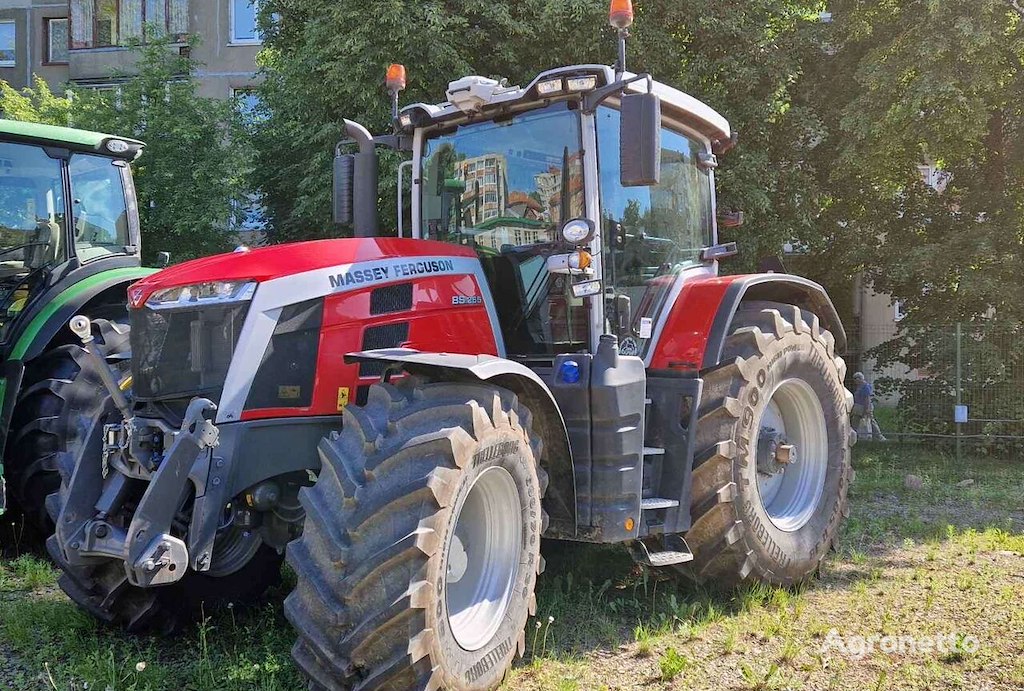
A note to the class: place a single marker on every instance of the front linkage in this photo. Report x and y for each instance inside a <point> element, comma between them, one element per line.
<point>89,531</point>
<point>151,554</point>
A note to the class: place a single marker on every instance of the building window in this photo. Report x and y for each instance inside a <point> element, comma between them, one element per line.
<point>56,37</point>
<point>243,22</point>
<point>106,23</point>
<point>7,44</point>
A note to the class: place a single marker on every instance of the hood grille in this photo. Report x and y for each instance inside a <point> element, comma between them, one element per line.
<point>179,353</point>
<point>389,299</point>
<point>378,337</point>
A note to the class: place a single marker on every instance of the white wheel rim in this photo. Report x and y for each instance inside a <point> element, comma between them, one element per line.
<point>791,495</point>
<point>482,558</point>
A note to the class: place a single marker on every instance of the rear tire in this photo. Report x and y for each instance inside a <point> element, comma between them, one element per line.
<point>60,387</point>
<point>753,516</point>
<point>400,552</point>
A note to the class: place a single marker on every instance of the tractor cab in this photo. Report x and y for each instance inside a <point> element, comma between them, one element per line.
<point>588,196</point>
<point>587,183</point>
<point>65,201</point>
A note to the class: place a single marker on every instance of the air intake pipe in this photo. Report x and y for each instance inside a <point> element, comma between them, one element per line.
<point>355,183</point>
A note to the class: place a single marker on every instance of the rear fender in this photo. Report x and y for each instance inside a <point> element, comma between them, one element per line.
<point>560,500</point>
<point>701,320</point>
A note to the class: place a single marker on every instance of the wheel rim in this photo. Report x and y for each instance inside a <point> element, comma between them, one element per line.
<point>483,558</point>
<point>233,547</point>
<point>790,491</point>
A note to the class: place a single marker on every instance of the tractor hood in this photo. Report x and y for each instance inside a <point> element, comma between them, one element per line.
<point>263,333</point>
<point>280,261</point>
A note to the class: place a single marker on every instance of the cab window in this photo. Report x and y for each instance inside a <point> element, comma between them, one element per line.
<point>100,217</point>
<point>504,188</point>
<point>652,233</point>
<point>31,210</point>
<point>32,226</point>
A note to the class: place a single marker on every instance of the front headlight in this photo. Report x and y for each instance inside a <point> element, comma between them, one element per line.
<point>212,293</point>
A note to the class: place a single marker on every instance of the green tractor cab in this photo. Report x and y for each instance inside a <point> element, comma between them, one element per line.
<point>69,243</point>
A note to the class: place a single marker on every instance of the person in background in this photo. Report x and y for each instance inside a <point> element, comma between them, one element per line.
<point>863,414</point>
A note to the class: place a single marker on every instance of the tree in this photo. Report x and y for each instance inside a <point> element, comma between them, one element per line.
<point>324,60</point>
<point>940,84</point>
<point>194,171</point>
<point>921,85</point>
<point>34,104</point>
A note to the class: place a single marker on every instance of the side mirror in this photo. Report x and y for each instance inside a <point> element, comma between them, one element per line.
<point>163,259</point>
<point>344,183</point>
<point>640,140</point>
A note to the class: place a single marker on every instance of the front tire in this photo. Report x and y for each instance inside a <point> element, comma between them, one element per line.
<point>772,466</point>
<point>419,558</point>
<point>61,388</point>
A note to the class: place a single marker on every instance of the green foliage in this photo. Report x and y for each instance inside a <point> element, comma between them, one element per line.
<point>941,83</point>
<point>35,104</point>
<point>928,83</point>
<point>672,663</point>
<point>899,86</point>
<point>197,160</point>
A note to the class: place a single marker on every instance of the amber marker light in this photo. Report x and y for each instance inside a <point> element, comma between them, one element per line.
<point>620,16</point>
<point>396,77</point>
<point>579,260</point>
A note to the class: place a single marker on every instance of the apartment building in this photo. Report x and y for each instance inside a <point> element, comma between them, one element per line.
<point>82,42</point>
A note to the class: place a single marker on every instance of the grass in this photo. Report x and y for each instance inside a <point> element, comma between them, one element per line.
<point>944,560</point>
<point>672,663</point>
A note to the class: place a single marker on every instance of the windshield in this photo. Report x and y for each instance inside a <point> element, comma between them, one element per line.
<point>504,184</point>
<point>505,188</point>
<point>31,223</point>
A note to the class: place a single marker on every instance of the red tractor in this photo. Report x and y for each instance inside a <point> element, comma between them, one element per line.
<point>548,352</point>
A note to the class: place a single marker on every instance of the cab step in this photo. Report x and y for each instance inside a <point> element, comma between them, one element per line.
<point>652,503</point>
<point>674,550</point>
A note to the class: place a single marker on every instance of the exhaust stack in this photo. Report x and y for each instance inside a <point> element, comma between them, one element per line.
<point>355,183</point>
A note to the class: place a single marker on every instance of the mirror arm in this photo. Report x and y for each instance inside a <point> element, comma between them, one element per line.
<point>598,96</point>
<point>396,142</point>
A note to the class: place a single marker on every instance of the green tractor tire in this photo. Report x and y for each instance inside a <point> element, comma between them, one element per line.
<point>59,388</point>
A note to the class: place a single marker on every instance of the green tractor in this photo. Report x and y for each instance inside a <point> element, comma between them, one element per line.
<point>69,244</point>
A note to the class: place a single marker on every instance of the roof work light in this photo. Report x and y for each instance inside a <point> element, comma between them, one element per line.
<point>395,80</point>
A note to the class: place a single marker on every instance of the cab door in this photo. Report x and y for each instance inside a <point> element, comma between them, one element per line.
<point>653,236</point>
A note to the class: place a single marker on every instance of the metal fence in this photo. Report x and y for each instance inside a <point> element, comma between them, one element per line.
<point>960,385</point>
